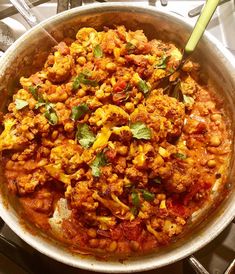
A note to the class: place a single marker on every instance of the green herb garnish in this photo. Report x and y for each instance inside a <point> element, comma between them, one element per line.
<point>140,131</point>
<point>20,104</point>
<point>84,135</point>
<point>37,96</point>
<point>162,63</point>
<point>99,161</point>
<point>82,78</point>
<point>180,156</point>
<point>135,199</point>
<point>157,180</point>
<point>50,114</point>
<point>130,47</point>
<point>79,111</point>
<point>134,210</point>
<point>39,104</point>
<point>143,87</point>
<point>34,92</point>
<point>175,92</point>
<point>188,100</point>
<point>148,196</point>
<point>76,83</point>
<point>98,52</point>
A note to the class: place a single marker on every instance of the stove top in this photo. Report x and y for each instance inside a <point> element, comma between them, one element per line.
<point>216,256</point>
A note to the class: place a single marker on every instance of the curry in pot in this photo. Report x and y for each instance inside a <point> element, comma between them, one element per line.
<point>104,159</point>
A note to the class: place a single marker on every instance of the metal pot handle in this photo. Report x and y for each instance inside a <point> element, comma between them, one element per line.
<point>23,7</point>
<point>197,266</point>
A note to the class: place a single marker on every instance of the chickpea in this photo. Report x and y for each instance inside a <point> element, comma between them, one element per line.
<point>94,242</point>
<point>112,246</point>
<point>99,94</point>
<point>134,245</point>
<point>129,107</point>
<point>102,243</point>
<point>161,197</point>
<point>10,164</point>
<point>91,232</point>
<point>54,134</point>
<point>215,117</point>
<point>215,141</point>
<point>111,66</point>
<point>68,127</point>
<point>122,150</point>
<point>81,60</point>
<point>121,60</point>
<point>116,53</point>
<point>211,163</point>
<point>81,93</point>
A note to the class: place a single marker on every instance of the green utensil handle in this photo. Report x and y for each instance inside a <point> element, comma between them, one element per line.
<point>202,22</point>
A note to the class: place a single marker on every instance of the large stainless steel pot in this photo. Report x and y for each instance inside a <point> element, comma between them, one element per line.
<point>28,53</point>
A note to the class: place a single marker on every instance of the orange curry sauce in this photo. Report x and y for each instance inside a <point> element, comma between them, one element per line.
<point>100,156</point>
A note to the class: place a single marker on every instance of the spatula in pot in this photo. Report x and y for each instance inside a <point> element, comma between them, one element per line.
<point>172,87</point>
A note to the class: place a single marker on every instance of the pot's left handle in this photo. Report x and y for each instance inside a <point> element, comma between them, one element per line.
<point>197,266</point>
<point>23,7</point>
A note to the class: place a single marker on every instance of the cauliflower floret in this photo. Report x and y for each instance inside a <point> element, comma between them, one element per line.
<point>109,114</point>
<point>165,115</point>
<point>118,209</point>
<point>61,69</point>
<point>9,139</point>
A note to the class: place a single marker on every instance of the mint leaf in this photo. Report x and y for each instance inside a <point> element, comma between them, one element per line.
<point>20,104</point>
<point>99,161</point>
<point>98,52</point>
<point>143,87</point>
<point>140,131</point>
<point>84,135</point>
<point>79,111</point>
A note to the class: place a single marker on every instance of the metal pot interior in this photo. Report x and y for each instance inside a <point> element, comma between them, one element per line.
<point>28,54</point>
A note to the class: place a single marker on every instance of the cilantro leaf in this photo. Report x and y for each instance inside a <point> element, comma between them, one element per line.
<point>79,111</point>
<point>37,96</point>
<point>98,52</point>
<point>143,87</point>
<point>84,135</point>
<point>148,196</point>
<point>188,100</point>
<point>135,199</point>
<point>162,63</point>
<point>34,92</point>
<point>157,180</point>
<point>51,114</point>
<point>99,161</point>
<point>82,78</point>
<point>20,104</point>
<point>76,83</point>
<point>39,104</point>
<point>140,131</point>
<point>180,156</point>
<point>130,47</point>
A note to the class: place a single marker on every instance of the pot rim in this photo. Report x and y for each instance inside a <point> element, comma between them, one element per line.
<point>142,263</point>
